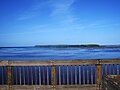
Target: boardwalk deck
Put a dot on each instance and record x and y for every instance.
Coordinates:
(49, 87)
(111, 82)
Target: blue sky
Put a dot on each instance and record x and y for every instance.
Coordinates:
(33, 22)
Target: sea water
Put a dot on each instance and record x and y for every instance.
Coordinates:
(36, 53)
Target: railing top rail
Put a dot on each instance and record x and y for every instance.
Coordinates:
(57, 62)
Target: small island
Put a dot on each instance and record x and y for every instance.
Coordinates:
(68, 46)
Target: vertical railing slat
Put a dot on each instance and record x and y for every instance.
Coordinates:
(44, 75)
(105, 69)
(59, 75)
(16, 75)
(28, 76)
(39, 75)
(63, 75)
(79, 74)
(75, 74)
(67, 76)
(83, 67)
(24, 75)
(3, 75)
(91, 74)
(20, 75)
(31, 75)
(113, 69)
(35, 75)
(71, 75)
(87, 67)
(117, 69)
(47, 76)
(109, 70)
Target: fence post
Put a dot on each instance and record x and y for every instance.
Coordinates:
(98, 73)
(53, 75)
(9, 77)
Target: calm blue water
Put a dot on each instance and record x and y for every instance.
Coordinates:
(35, 53)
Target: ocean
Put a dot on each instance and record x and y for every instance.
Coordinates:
(49, 53)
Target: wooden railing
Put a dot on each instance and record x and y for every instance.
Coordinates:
(57, 72)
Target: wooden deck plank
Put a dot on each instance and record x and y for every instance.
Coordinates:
(49, 87)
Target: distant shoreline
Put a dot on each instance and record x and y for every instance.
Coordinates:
(67, 46)
(78, 46)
